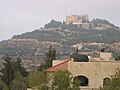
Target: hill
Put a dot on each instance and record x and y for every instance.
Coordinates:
(65, 38)
(63, 33)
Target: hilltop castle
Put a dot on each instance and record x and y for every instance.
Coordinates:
(84, 22)
(77, 19)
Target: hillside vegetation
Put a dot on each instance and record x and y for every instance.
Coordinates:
(62, 36)
(70, 34)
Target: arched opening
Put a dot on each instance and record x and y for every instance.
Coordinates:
(106, 81)
(83, 80)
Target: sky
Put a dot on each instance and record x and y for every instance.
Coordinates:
(20, 16)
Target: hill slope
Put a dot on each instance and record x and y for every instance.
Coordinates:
(33, 45)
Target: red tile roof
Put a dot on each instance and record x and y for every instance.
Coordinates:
(61, 66)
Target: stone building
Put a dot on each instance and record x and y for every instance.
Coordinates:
(92, 74)
(77, 19)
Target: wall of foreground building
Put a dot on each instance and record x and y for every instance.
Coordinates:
(94, 71)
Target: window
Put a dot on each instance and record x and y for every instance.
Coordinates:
(83, 80)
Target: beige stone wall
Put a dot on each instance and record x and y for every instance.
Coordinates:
(106, 56)
(76, 19)
(94, 71)
(56, 62)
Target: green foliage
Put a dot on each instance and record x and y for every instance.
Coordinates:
(114, 84)
(49, 57)
(7, 71)
(117, 56)
(59, 80)
(100, 36)
(53, 24)
(3, 86)
(38, 80)
(106, 82)
(42, 67)
(76, 85)
(10, 68)
(67, 34)
(19, 82)
(104, 88)
(62, 80)
(102, 21)
(71, 26)
(84, 20)
(17, 67)
(15, 49)
(115, 81)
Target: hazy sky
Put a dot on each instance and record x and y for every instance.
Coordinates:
(20, 16)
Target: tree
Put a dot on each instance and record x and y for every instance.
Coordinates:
(53, 24)
(19, 82)
(114, 84)
(2, 85)
(117, 56)
(76, 85)
(38, 80)
(17, 67)
(62, 80)
(43, 66)
(49, 57)
(59, 80)
(115, 81)
(7, 71)
(10, 68)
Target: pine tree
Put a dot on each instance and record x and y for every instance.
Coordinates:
(7, 71)
(19, 82)
(2, 85)
(10, 68)
(49, 57)
(18, 67)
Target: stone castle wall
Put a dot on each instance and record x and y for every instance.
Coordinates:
(76, 19)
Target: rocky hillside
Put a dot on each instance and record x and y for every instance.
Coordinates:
(70, 37)
(64, 37)
(100, 31)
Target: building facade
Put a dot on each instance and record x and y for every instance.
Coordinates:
(91, 74)
(77, 19)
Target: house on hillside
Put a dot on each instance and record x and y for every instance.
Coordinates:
(93, 73)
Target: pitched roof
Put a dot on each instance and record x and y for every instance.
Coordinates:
(61, 66)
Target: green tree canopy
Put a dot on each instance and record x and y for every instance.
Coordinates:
(18, 68)
(63, 80)
(49, 57)
(2, 85)
(19, 82)
(10, 68)
(7, 71)
(38, 80)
